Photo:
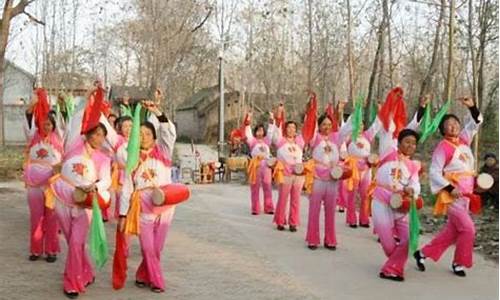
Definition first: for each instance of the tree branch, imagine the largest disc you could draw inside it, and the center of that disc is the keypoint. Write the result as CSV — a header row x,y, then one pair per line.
x,y
203,22
19,8
33,18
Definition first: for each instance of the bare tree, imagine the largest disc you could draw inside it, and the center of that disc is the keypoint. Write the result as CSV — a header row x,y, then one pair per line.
x,y
9,13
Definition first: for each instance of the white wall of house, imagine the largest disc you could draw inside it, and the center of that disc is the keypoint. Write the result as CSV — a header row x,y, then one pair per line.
x,y
188,124
17,84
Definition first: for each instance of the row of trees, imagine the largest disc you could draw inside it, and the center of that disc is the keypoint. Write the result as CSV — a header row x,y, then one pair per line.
x,y
340,49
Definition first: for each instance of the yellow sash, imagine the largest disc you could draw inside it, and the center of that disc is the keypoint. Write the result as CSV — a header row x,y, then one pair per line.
x,y
309,175
352,163
115,176
444,198
50,195
132,223
253,169
278,173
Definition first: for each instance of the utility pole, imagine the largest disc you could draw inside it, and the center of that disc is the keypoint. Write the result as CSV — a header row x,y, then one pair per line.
x,y
221,142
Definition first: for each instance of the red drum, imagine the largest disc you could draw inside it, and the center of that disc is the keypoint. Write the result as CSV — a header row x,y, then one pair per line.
x,y
170,194
340,173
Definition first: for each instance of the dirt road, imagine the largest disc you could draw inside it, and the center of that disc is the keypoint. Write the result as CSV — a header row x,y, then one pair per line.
x,y
217,250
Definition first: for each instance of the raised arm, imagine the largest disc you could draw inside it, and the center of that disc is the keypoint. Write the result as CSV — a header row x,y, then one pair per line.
x,y
112,137
417,118
72,131
387,143
473,121
166,133
29,126
372,131
345,130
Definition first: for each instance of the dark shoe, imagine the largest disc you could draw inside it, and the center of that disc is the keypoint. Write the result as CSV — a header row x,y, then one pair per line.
x,y
419,259
156,290
392,277
364,225
270,212
71,295
51,258
140,284
341,210
90,282
331,247
353,225
34,257
458,270
312,247
293,228
254,213
280,227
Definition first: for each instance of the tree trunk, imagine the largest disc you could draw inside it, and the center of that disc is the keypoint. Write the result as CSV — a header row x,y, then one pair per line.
x,y
309,67
389,44
376,62
427,82
451,41
349,53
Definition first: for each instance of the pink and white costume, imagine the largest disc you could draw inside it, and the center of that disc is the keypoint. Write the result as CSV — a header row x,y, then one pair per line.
x,y
455,158
395,172
82,166
325,190
289,153
259,149
358,152
153,171
43,153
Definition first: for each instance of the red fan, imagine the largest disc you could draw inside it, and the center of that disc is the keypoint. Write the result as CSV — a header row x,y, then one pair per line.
x,y
41,110
330,112
93,110
310,118
394,108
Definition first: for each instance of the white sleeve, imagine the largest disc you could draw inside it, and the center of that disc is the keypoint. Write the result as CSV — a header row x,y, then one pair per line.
x,y
104,182
345,130
275,133
73,129
371,132
470,129
29,131
167,136
112,137
387,143
414,123
126,195
437,180
249,134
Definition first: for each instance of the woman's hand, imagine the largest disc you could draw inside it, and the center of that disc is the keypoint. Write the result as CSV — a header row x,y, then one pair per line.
x,y
152,107
409,191
121,223
467,101
456,193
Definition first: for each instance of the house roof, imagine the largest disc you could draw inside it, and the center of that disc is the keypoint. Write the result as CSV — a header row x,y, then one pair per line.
x,y
134,92
199,97
11,64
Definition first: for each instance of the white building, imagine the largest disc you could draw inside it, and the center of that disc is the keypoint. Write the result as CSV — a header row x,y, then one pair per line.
x,y
18,85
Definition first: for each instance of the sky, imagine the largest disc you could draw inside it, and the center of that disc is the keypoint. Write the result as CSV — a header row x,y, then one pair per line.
x,y
26,36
